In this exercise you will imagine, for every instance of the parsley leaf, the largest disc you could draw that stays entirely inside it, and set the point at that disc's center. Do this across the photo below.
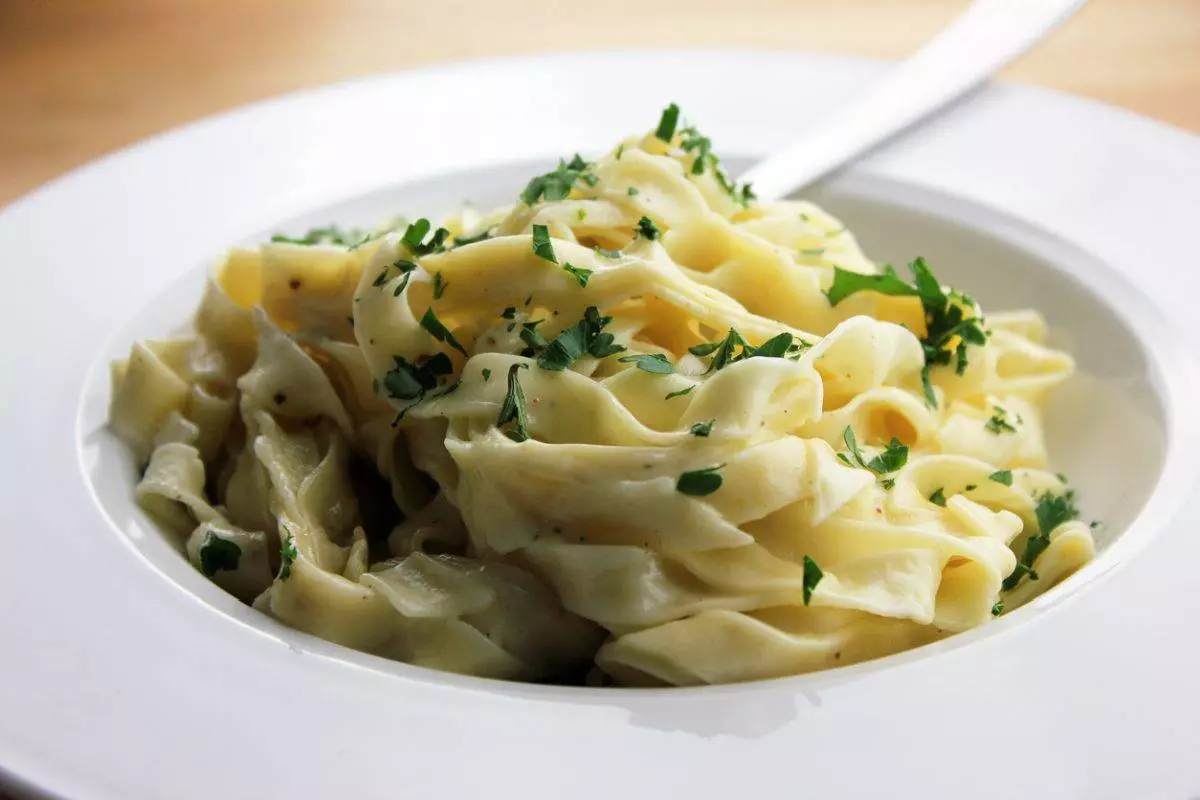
(1003, 476)
(557, 184)
(938, 498)
(407, 381)
(666, 125)
(784, 345)
(414, 236)
(487, 374)
(462, 241)
(681, 392)
(999, 423)
(654, 363)
(287, 556)
(700, 482)
(890, 459)
(812, 577)
(513, 421)
(530, 336)
(998, 608)
(632, 191)
(542, 246)
(704, 158)
(439, 286)
(218, 554)
(585, 337)
(887, 483)
(702, 428)
(647, 229)
(405, 268)
(1052, 510)
(578, 273)
(944, 321)
(330, 234)
(438, 331)
(509, 312)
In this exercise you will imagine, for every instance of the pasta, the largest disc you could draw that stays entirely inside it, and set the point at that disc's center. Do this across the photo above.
(637, 428)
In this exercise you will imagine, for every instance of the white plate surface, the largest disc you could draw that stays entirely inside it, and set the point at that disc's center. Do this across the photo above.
(126, 675)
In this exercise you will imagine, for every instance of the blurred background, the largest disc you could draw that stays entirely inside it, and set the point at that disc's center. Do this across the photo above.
(79, 78)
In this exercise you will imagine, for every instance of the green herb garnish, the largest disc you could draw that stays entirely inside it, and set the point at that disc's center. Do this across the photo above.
(1052, 510)
(439, 286)
(405, 268)
(890, 459)
(724, 352)
(812, 576)
(632, 191)
(700, 482)
(438, 331)
(513, 421)
(509, 312)
(287, 556)
(938, 498)
(944, 321)
(414, 236)
(557, 184)
(585, 337)
(487, 374)
(999, 423)
(408, 381)
(542, 246)
(704, 158)
(647, 229)
(667, 123)
(330, 234)
(654, 363)
(997, 608)
(607, 253)
(702, 428)
(1003, 476)
(578, 273)
(681, 392)
(218, 555)
(462, 241)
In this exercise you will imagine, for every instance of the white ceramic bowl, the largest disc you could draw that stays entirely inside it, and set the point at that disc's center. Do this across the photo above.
(129, 675)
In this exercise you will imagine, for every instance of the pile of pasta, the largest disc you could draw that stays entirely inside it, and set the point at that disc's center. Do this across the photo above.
(619, 432)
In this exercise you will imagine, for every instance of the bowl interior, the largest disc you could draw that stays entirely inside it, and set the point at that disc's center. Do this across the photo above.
(1004, 264)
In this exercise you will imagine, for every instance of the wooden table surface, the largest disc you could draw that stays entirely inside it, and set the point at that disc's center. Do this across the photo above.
(79, 78)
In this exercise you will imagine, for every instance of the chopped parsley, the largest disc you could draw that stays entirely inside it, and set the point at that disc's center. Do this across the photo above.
(487, 374)
(681, 392)
(513, 421)
(938, 498)
(218, 555)
(647, 229)
(578, 273)
(439, 286)
(700, 482)
(581, 214)
(414, 238)
(1052, 510)
(702, 428)
(408, 381)
(586, 337)
(287, 556)
(812, 576)
(438, 331)
(704, 158)
(667, 123)
(632, 191)
(405, 268)
(944, 321)
(999, 423)
(330, 234)
(542, 246)
(890, 459)
(557, 184)
(530, 336)
(724, 352)
(461, 241)
(1003, 476)
(887, 483)
(509, 312)
(654, 363)
(998, 608)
